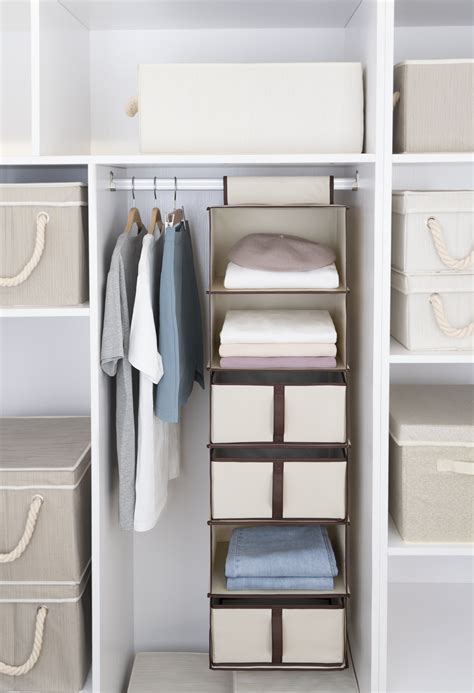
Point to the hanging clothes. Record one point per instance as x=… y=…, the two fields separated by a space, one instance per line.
x=119 y=300
x=158 y=450
x=180 y=333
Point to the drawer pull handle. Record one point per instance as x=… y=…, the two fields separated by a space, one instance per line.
x=21 y=669
x=42 y=220
x=438 y=239
x=31 y=520
x=443 y=322
x=456 y=466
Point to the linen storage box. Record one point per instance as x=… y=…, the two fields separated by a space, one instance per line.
x=279 y=484
x=278 y=633
x=43 y=244
x=45 y=499
x=273 y=407
x=432 y=462
x=433 y=231
x=435 y=108
x=264 y=108
x=433 y=311
x=46 y=636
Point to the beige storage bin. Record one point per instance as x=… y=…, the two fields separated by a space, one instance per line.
x=45 y=642
x=433 y=311
x=220 y=537
x=432 y=462
x=252 y=108
x=324 y=224
x=435 y=109
x=276 y=633
x=45 y=499
x=433 y=231
x=275 y=407
x=43 y=244
x=279 y=484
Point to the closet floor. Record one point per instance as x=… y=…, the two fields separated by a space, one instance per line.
x=184 y=672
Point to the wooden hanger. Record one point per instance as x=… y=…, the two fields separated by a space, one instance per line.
x=177 y=215
x=155 y=221
x=133 y=214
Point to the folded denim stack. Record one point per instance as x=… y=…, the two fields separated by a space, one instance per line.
x=273 y=557
x=276 y=261
x=278 y=339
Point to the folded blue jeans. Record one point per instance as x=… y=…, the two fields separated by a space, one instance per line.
x=282 y=583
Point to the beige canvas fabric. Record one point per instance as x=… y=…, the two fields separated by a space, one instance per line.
x=435 y=110
x=61 y=275
x=241 y=635
x=242 y=490
x=315 y=414
x=313 y=635
x=241 y=413
x=278 y=190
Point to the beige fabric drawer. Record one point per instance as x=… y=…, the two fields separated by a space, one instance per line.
x=62 y=659
x=433 y=231
x=60 y=275
x=435 y=110
x=279 y=484
x=304 y=633
x=432 y=462
x=45 y=499
x=271 y=407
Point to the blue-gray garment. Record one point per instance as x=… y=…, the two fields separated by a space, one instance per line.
x=280 y=583
x=180 y=325
x=271 y=551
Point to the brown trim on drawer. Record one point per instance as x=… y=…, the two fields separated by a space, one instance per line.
x=252 y=521
x=331 y=190
x=307 y=601
x=315 y=205
x=278 y=413
x=282 y=666
x=278 y=446
x=225 y=190
x=277 y=490
x=277 y=635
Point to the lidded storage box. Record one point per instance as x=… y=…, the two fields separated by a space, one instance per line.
x=432 y=462
x=43 y=244
x=45 y=532
x=263 y=108
x=435 y=108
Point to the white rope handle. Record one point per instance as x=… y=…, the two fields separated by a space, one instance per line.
x=31 y=520
x=41 y=220
x=438 y=239
x=443 y=322
x=21 y=669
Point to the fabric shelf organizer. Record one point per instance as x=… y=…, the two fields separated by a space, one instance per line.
x=45 y=553
x=433 y=269
x=433 y=109
x=279 y=451
x=43 y=244
x=432 y=462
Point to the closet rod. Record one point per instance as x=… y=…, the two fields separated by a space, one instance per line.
x=190 y=184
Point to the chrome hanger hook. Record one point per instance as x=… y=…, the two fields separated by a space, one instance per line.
x=154 y=187
x=133 y=188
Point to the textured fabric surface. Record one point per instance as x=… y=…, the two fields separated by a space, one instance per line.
x=237 y=277
x=277 y=326
x=280 y=583
x=295 y=682
x=278 y=362
x=308 y=349
x=277 y=252
x=180 y=672
x=279 y=190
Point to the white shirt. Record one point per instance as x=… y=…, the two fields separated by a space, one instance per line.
x=158 y=452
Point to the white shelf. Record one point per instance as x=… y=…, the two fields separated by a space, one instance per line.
x=398 y=354
x=433 y=13
x=81 y=311
x=435 y=158
x=398 y=547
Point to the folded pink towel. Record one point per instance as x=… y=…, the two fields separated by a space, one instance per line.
x=278 y=362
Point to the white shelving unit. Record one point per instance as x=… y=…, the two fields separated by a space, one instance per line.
x=398 y=547
x=68 y=68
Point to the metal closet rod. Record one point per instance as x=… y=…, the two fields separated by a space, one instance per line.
x=190 y=184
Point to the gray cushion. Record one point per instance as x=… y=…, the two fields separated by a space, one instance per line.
x=279 y=253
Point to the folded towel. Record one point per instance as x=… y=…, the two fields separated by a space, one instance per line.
x=238 y=277
x=282 y=583
x=283 y=349
x=278 y=362
x=277 y=326
x=280 y=551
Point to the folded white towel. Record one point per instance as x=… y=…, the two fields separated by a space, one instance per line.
x=277 y=326
x=237 y=277
x=275 y=350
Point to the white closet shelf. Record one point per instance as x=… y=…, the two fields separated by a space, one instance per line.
x=82 y=311
x=398 y=547
x=399 y=354
x=435 y=158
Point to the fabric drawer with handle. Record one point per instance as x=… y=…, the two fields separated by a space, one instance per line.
x=432 y=462
x=275 y=633
x=279 y=484
x=45 y=642
x=45 y=499
x=433 y=231
x=433 y=311
x=278 y=407
x=43 y=244
x=434 y=110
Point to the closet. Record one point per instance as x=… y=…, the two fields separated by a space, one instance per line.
x=67 y=69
